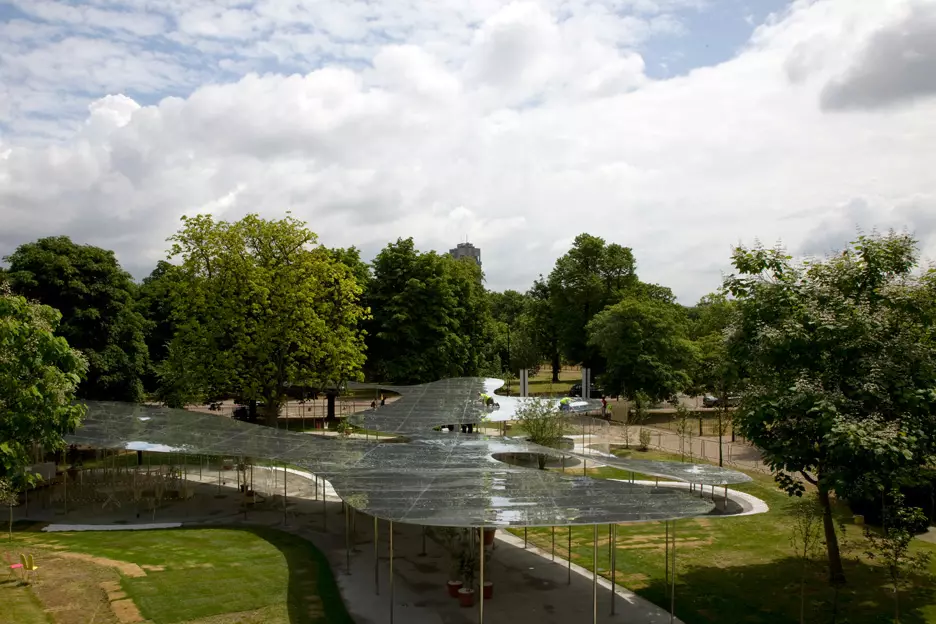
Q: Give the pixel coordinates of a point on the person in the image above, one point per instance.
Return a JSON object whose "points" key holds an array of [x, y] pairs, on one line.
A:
{"points": [[565, 404], [383, 400], [373, 404], [604, 407], [610, 412]]}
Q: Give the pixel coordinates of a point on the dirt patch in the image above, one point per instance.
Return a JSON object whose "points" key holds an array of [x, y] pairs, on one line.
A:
{"points": [[127, 569], [126, 611], [153, 568], [71, 590]]}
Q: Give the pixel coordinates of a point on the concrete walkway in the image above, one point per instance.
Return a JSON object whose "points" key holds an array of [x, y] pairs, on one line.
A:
{"points": [[529, 586]]}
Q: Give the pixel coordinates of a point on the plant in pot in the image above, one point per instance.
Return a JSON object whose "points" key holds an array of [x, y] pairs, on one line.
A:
{"points": [[450, 541], [489, 536], [468, 561]]}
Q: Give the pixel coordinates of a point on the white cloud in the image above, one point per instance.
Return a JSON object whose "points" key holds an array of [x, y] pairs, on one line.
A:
{"points": [[517, 124]]}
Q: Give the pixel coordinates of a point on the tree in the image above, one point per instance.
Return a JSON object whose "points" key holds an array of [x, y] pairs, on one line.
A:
{"points": [[259, 306], [805, 539], [39, 374], [99, 316], [430, 317], [543, 423], [542, 323], [585, 280], [840, 368], [155, 298], [645, 345], [715, 372], [892, 545]]}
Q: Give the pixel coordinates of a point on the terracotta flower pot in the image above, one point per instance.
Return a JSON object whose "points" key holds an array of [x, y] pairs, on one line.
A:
{"points": [[453, 587], [466, 597], [489, 536], [488, 590]]}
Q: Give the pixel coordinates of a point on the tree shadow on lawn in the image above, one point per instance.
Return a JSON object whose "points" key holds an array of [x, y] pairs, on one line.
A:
{"points": [[312, 595], [770, 594]]}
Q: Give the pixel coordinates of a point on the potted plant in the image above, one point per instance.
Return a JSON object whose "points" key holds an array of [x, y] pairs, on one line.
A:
{"points": [[451, 542], [489, 536], [468, 561]]}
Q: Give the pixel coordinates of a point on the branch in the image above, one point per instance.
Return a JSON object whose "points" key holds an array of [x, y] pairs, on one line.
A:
{"points": [[808, 478]]}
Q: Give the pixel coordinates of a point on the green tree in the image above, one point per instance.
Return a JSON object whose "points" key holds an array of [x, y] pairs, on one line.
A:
{"points": [[155, 298], [259, 306], [39, 374], [646, 347], [542, 324], [840, 368], [592, 275], [431, 318], [892, 545], [97, 300], [543, 423]]}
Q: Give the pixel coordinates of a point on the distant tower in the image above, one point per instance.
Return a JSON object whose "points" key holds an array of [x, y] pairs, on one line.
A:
{"points": [[466, 250]]}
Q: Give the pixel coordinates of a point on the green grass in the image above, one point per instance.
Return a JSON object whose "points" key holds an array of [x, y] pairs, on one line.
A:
{"points": [[743, 569], [19, 605], [541, 384], [211, 572]]}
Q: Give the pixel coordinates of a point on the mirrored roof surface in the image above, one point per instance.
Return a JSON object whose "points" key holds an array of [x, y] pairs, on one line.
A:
{"points": [[428, 478]]}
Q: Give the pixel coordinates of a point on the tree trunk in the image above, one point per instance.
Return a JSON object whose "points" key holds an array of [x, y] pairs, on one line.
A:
{"points": [[330, 413], [721, 459], [555, 367], [802, 594], [252, 411], [836, 572], [541, 461]]}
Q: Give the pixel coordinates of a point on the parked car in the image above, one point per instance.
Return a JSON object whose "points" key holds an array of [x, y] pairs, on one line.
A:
{"points": [[713, 401], [594, 391]]}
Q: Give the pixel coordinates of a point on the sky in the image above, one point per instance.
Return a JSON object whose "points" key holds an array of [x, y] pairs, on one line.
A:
{"points": [[679, 128]]}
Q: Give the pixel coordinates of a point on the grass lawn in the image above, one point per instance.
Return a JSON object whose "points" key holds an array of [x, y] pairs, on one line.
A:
{"points": [[217, 575], [541, 384], [743, 569]]}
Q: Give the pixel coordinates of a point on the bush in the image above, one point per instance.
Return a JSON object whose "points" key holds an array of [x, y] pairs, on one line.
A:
{"points": [[644, 439]]}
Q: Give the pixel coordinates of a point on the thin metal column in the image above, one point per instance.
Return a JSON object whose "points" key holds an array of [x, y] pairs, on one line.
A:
{"points": [[666, 551], [391, 570], [595, 575], [524, 537], [613, 563], [570, 554], [284, 494], [673, 592], [481, 576], [324, 511], [423, 553], [554, 543], [347, 538], [376, 561]]}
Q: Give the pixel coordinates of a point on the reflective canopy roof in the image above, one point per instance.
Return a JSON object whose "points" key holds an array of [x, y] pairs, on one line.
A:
{"points": [[431, 478]]}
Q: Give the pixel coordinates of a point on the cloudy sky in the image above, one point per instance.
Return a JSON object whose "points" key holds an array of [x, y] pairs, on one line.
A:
{"points": [[677, 127]]}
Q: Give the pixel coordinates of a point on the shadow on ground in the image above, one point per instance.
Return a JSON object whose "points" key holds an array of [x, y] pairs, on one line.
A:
{"points": [[751, 594]]}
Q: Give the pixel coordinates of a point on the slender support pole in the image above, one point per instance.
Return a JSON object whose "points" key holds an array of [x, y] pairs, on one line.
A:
{"points": [[481, 576], [391, 570], [570, 554], [609, 543], [613, 563], [324, 513], [376, 561], [524, 537], [673, 591], [595, 575], [554, 543], [284, 494], [423, 553], [347, 538], [666, 552]]}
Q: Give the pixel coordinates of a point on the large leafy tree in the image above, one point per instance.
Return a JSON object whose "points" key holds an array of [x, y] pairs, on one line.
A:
{"points": [[590, 276], [840, 368], [259, 306], [542, 325], [646, 346], [39, 374], [431, 316], [97, 300], [155, 298]]}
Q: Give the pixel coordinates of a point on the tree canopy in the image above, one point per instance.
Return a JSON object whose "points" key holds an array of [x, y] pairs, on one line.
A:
{"points": [[840, 365], [97, 301], [431, 317], [39, 374], [646, 347], [590, 276], [258, 306]]}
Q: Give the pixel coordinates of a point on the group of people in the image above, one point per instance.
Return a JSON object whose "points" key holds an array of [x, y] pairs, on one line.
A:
{"points": [[383, 401]]}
